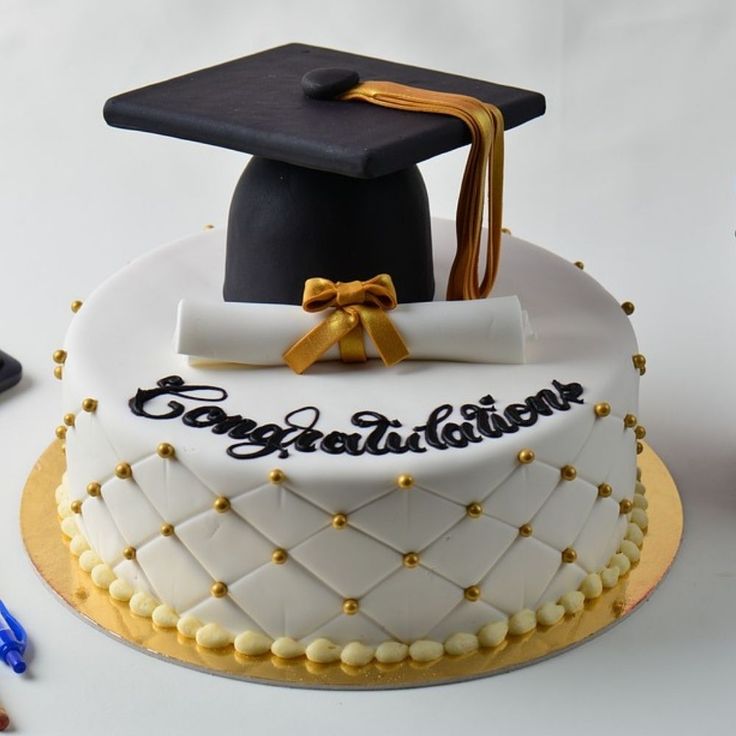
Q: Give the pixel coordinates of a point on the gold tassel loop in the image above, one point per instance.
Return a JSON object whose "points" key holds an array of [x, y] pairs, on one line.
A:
{"points": [[485, 160], [359, 306]]}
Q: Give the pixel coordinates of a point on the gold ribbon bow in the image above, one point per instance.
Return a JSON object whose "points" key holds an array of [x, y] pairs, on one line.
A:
{"points": [[358, 306]]}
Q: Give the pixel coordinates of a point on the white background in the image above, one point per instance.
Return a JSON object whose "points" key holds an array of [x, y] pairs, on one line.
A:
{"points": [[632, 170]]}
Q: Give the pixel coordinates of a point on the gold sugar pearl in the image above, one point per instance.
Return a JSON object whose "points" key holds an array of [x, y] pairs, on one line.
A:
{"points": [[76, 305], [339, 521], [639, 361], [628, 308], [89, 405], [60, 432], [526, 530], [58, 372], [69, 420], [277, 476], [506, 231], [580, 265], [603, 409], [630, 421], [166, 530], [123, 471], [569, 555], [604, 490], [639, 448], [59, 356], [350, 606], [221, 504], [626, 505], [165, 450], [411, 559], [642, 370], [472, 593], [474, 510], [76, 506], [209, 226], [94, 489], [279, 556], [568, 472], [218, 590], [405, 481], [640, 432], [129, 553], [525, 456]]}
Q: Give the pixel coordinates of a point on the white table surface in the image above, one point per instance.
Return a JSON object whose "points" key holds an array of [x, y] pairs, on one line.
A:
{"points": [[633, 170]]}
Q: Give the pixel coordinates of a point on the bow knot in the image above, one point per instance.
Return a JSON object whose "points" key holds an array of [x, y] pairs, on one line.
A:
{"points": [[358, 306]]}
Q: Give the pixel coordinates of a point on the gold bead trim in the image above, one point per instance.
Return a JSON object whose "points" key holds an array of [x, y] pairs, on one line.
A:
{"points": [[279, 556], [339, 521], [69, 420], [603, 409], [218, 590], [221, 504], [411, 559], [276, 476], [640, 432], [525, 456], [626, 505], [639, 448], [630, 421], [526, 530], [640, 363], [474, 510], [568, 472], [569, 555], [350, 606], [123, 471], [580, 265], [76, 305], [59, 356], [58, 372], [604, 490], [94, 489], [405, 481], [166, 529], [129, 553], [628, 308], [472, 593], [165, 450], [76, 506], [60, 432], [89, 405]]}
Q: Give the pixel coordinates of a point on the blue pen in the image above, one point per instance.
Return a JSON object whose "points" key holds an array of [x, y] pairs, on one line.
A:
{"points": [[13, 640]]}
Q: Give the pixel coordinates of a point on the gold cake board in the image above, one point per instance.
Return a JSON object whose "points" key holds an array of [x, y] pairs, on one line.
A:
{"points": [[49, 552]]}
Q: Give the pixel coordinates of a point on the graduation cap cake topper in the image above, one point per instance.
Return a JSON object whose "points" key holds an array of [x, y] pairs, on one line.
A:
{"points": [[333, 189]]}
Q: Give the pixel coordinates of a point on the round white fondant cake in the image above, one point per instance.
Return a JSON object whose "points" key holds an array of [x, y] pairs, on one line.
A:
{"points": [[357, 504]]}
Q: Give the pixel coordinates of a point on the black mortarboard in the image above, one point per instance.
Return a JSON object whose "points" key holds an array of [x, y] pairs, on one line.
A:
{"points": [[332, 189]]}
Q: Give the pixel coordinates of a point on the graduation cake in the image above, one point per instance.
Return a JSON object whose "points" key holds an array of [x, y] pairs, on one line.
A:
{"points": [[289, 436]]}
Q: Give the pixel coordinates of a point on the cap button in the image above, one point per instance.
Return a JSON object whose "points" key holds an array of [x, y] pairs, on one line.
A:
{"points": [[325, 83]]}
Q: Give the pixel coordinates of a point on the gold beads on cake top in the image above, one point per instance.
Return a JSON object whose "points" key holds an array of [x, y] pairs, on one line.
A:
{"points": [[525, 456], [60, 432], [568, 472], [165, 450], [580, 265], [166, 529], [89, 404], [640, 432], [59, 356], [605, 490], [405, 481], [129, 553], [602, 409], [626, 505], [76, 305], [94, 489], [630, 421], [218, 590], [474, 510], [123, 471], [628, 308], [69, 419], [410, 559], [76, 506], [279, 556], [58, 372], [221, 504], [569, 555], [277, 476], [640, 363], [526, 530], [472, 593], [350, 606], [339, 521]]}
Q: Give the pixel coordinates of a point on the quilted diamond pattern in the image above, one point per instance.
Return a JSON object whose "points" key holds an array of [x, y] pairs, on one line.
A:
{"points": [[532, 483], [561, 518], [132, 513]]}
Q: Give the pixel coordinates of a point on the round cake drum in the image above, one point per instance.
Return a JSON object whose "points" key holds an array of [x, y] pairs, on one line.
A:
{"points": [[49, 552]]}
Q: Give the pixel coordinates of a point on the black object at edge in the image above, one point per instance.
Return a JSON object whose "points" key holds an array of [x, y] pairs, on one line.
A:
{"points": [[10, 371]]}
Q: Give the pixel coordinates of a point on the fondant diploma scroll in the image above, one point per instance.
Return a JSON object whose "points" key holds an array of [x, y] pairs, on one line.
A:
{"points": [[473, 331]]}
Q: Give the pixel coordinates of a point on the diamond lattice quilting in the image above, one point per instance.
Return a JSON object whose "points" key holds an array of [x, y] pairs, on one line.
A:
{"points": [[133, 515], [561, 518]]}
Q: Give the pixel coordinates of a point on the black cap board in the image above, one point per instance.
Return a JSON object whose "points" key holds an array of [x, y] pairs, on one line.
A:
{"points": [[332, 189]]}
